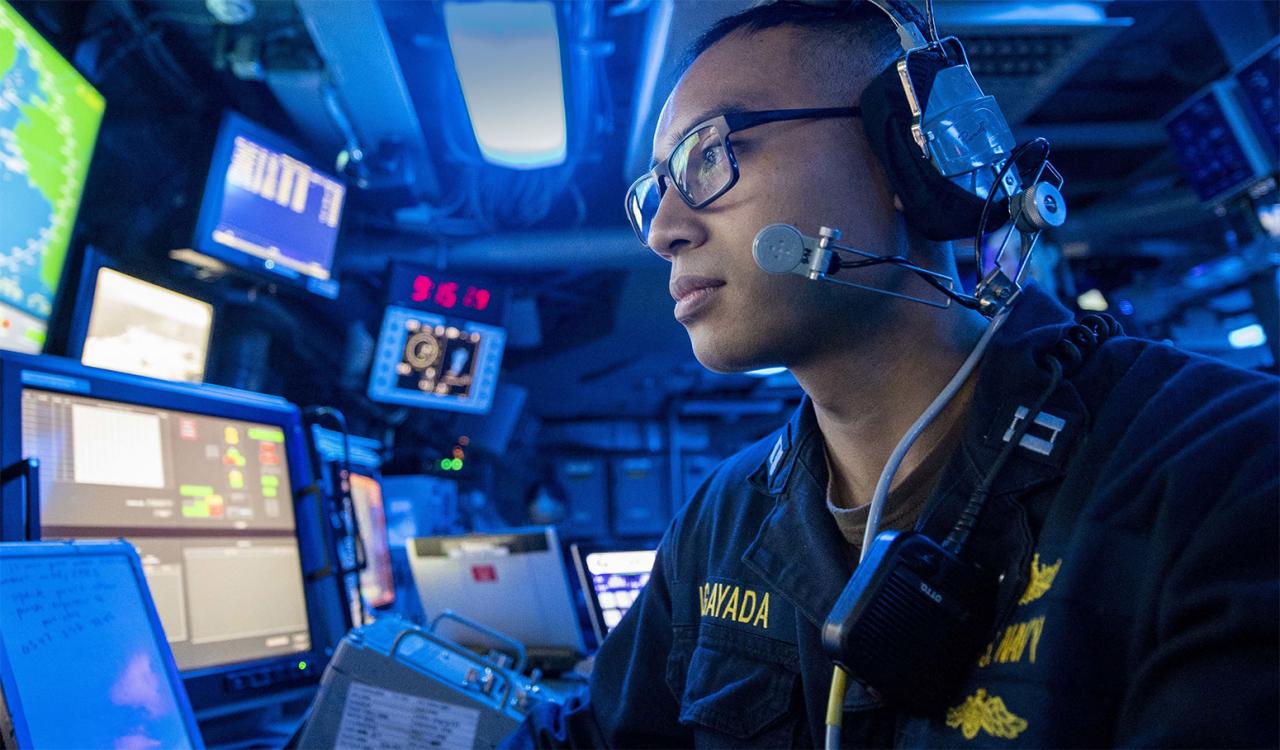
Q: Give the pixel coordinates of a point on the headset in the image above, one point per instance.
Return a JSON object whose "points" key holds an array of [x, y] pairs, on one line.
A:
{"points": [[951, 159], [916, 612]]}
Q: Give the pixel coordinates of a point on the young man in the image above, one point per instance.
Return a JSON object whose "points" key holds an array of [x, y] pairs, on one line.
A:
{"points": [[1135, 550]]}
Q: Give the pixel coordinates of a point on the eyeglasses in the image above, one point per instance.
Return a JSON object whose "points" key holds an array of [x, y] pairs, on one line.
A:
{"points": [[702, 166]]}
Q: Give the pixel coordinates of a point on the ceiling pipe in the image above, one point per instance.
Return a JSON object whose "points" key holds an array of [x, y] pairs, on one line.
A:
{"points": [[582, 249]]}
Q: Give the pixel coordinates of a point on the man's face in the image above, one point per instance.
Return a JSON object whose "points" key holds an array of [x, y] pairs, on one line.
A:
{"points": [[808, 173]]}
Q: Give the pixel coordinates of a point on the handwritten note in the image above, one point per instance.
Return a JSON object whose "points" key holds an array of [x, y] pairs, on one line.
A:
{"points": [[46, 601]]}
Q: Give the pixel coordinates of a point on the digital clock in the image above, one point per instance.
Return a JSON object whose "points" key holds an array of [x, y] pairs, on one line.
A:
{"points": [[425, 288]]}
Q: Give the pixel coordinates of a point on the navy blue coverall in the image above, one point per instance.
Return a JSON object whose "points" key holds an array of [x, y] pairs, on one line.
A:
{"points": [[1139, 555]]}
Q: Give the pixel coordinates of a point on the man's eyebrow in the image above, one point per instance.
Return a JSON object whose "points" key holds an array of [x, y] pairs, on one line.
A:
{"points": [[723, 108]]}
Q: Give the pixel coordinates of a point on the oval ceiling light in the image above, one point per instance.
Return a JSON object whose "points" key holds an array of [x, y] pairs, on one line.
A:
{"points": [[507, 56]]}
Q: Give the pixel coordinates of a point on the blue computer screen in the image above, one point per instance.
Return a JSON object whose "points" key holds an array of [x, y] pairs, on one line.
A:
{"points": [[1259, 83], [268, 209], [1208, 146], [85, 657]]}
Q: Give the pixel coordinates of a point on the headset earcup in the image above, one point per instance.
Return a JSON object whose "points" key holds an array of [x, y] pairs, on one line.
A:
{"points": [[934, 206]]}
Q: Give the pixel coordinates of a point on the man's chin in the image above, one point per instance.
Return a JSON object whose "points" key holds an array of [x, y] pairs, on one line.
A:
{"points": [[721, 360]]}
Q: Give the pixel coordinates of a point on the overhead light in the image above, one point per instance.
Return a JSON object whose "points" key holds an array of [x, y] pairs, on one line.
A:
{"points": [[765, 372], [1092, 300], [507, 55], [1247, 337]]}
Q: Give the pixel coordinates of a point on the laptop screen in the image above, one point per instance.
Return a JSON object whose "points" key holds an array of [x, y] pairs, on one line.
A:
{"points": [[83, 660], [612, 580]]}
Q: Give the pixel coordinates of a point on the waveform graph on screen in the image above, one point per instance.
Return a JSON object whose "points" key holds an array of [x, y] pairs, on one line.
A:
{"points": [[49, 119]]}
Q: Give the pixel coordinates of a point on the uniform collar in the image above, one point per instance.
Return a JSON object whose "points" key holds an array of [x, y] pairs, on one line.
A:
{"points": [[799, 548]]}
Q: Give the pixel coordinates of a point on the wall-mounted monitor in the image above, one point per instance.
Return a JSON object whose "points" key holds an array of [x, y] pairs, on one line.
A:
{"points": [[431, 362], [49, 119], [1259, 85], [145, 329], [268, 209], [1219, 152]]}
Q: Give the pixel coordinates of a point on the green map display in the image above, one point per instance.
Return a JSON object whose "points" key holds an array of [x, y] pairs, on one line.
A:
{"points": [[49, 118]]}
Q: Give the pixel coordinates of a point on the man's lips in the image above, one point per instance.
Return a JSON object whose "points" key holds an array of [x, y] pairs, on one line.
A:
{"points": [[684, 286]]}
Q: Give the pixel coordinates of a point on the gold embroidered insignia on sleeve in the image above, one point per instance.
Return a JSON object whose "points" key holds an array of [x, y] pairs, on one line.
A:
{"points": [[987, 714], [1041, 579]]}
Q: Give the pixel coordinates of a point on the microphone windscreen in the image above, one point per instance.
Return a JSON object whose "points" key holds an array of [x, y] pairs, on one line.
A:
{"points": [[778, 248]]}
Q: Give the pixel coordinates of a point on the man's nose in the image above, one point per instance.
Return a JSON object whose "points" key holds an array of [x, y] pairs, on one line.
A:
{"points": [[675, 226]]}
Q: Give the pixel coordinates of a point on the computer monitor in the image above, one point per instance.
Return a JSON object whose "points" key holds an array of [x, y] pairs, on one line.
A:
{"points": [[200, 480], [83, 659], [377, 585], [145, 329], [428, 361], [268, 210], [1219, 152], [51, 118], [1259, 83], [513, 582], [611, 581]]}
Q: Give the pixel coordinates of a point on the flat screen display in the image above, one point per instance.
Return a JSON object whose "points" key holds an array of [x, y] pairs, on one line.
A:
{"points": [[612, 581], [49, 119], [429, 361], [86, 660], [146, 329], [205, 500], [377, 585], [267, 209], [1215, 146]]}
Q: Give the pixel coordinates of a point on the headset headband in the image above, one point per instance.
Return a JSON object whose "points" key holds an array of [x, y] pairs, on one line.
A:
{"points": [[908, 33]]}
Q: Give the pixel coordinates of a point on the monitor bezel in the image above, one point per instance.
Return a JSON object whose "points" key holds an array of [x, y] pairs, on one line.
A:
{"points": [[15, 718], [18, 371], [232, 124]]}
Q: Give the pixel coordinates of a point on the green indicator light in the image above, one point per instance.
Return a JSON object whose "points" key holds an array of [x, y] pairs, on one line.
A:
{"points": [[445, 464], [456, 464], [302, 665], [195, 490], [265, 435]]}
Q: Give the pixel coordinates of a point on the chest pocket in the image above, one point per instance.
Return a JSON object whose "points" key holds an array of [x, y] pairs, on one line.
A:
{"points": [[735, 690]]}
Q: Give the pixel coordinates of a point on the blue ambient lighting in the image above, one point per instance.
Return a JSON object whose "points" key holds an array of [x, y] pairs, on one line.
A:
{"points": [[765, 372], [507, 55], [1247, 337]]}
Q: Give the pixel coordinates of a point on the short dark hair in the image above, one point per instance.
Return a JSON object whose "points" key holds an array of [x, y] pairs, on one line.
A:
{"points": [[858, 27]]}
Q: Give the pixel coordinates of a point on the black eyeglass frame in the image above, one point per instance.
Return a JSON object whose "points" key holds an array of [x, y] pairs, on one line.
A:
{"points": [[728, 123]]}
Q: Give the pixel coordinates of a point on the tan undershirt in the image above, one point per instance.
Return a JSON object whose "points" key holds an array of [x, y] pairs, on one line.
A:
{"points": [[905, 502]]}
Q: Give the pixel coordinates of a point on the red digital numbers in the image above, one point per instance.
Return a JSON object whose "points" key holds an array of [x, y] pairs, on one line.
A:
{"points": [[447, 294], [422, 288], [476, 298]]}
